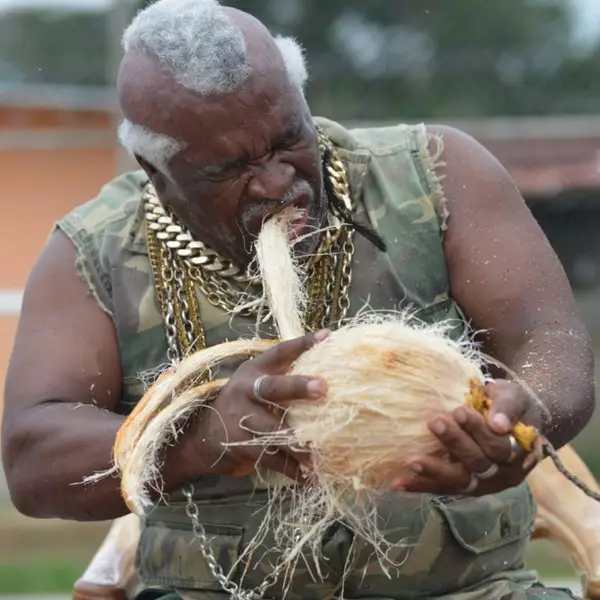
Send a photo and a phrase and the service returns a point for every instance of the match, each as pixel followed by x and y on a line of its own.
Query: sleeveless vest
pixel 452 542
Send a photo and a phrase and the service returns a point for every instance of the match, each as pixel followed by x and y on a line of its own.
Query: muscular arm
pixel 507 279
pixel 62 387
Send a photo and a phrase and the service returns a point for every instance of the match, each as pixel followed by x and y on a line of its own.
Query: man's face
pixel 250 155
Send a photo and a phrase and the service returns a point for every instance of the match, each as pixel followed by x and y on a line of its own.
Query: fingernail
pixel 460 415
pixel 438 427
pixel 415 468
pixel 502 422
pixel 322 334
pixel 315 388
pixel 397 485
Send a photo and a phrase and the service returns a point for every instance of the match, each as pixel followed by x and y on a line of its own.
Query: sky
pixel 589 19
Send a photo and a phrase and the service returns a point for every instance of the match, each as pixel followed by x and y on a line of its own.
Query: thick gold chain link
pixel 215 276
pixel 176 237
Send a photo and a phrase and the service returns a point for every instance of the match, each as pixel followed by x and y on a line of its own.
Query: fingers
pixel 509 404
pixel 495 447
pixel 246 407
pixel 460 444
pixel 279 388
pixel 434 476
pixel 478 447
pixel 439 476
pixel 263 379
pixel 280 357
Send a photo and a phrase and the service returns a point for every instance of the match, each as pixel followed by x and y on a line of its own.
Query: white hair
pixel 158 149
pixel 198 45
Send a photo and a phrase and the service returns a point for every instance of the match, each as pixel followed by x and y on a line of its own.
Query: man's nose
pixel 271 179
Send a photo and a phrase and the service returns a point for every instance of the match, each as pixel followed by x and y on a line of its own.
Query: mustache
pixel 260 208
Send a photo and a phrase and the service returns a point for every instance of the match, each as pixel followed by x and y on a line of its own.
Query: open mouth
pixel 297 211
pixel 298 225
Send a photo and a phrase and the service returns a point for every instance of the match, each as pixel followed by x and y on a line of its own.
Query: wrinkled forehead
pixel 151 97
pixel 245 121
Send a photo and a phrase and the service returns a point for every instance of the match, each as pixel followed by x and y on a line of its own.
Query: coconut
pixel 385 379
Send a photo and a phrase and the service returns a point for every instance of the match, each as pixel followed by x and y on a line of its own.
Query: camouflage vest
pixel 391 175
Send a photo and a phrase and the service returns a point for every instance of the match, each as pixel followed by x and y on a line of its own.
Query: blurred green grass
pixel 44 556
pixel 40 577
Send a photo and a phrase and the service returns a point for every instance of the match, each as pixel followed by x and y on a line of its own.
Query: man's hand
pixel 482 459
pixel 238 413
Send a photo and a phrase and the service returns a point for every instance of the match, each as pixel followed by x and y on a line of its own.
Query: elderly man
pixel 151 268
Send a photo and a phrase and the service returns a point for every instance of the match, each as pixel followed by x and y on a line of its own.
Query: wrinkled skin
pixel 248 154
pixel 502 273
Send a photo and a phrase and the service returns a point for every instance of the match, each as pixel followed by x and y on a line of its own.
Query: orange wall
pixel 37 187
pixel 13 117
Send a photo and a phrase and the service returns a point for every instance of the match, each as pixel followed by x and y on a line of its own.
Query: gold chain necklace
pixel 180 263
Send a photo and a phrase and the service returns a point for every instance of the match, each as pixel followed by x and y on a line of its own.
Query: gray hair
pixel 198 45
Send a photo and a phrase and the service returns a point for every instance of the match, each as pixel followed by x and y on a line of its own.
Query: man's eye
pixel 222 174
pixel 217 175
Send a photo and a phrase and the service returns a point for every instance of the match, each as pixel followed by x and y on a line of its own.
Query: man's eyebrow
pixel 292 129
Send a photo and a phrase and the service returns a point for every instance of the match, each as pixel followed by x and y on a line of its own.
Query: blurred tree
pixel 417 58
pixel 44 46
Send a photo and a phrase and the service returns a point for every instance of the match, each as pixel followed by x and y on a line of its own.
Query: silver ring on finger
pixel 472 486
pixel 515 449
pixel 256 389
pixel 488 473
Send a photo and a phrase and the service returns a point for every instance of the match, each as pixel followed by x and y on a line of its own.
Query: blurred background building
pixel 520 75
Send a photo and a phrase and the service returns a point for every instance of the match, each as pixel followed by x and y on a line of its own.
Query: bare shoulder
pixel 502 268
pixel 65 348
pixel 465 162
pixel 481 197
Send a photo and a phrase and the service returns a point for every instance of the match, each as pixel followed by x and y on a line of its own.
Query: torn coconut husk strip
pixel 161 393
